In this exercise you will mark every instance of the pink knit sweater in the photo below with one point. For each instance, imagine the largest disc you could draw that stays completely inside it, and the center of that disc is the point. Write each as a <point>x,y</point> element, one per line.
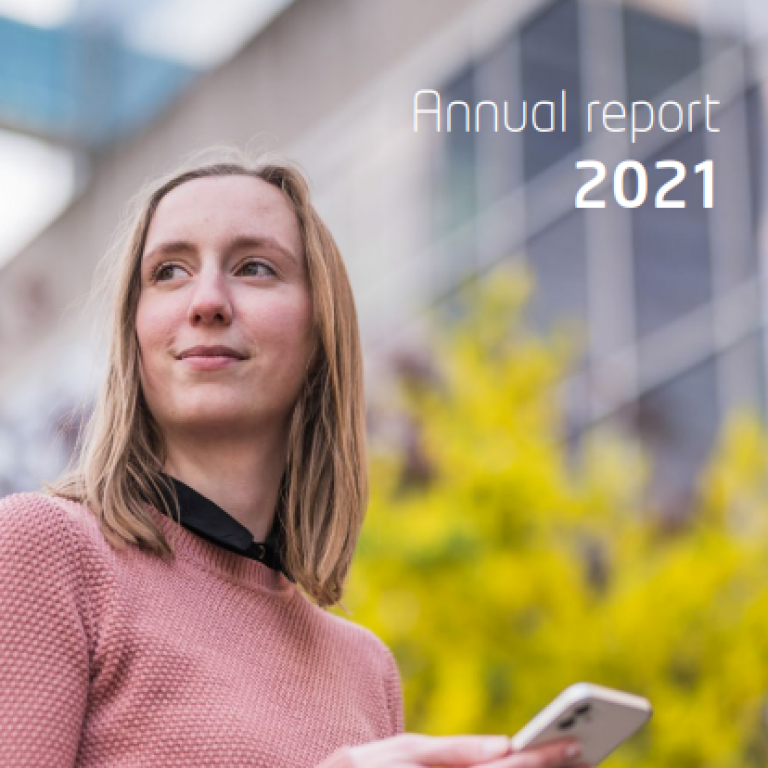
<point>116,658</point>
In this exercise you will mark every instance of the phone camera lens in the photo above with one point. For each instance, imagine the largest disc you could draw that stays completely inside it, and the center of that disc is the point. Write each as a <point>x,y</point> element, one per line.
<point>564,725</point>
<point>583,709</point>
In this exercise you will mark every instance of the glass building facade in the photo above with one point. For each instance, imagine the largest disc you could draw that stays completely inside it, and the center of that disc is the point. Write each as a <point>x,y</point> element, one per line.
<point>670,301</point>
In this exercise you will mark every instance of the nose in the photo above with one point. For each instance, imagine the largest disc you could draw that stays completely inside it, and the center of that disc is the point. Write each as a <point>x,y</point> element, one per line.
<point>210,302</point>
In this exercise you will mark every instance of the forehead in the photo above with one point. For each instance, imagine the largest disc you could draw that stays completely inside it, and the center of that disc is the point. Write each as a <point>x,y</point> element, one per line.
<point>213,208</point>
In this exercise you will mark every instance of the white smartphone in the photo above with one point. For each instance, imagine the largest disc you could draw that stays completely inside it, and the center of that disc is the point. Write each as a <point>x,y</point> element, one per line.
<point>598,718</point>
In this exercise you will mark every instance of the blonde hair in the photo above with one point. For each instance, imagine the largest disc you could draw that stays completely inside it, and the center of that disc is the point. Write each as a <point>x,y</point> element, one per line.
<point>324,488</point>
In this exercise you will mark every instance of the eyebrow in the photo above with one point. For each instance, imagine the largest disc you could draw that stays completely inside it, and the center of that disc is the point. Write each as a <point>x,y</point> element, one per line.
<point>239,243</point>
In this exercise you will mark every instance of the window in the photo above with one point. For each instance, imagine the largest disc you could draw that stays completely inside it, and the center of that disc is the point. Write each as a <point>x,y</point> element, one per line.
<point>659,53</point>
<point>671,249</point>
<point>558,261</point>
<point>457,202</point>
<point>549,47</point>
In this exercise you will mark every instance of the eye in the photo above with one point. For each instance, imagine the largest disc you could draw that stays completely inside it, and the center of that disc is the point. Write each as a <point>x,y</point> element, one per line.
<point>161,269</point>
<point>258,269</point>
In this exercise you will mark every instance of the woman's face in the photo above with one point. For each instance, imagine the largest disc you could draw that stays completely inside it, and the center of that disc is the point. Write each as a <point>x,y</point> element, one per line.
<point>223,265</point>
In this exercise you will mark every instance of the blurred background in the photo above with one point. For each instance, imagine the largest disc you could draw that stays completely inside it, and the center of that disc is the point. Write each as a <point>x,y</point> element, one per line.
<point>664,310</point>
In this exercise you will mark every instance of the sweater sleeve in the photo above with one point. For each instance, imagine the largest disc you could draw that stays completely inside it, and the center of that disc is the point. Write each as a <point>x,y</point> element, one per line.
<point>44,647</point>
<point>395,695</point>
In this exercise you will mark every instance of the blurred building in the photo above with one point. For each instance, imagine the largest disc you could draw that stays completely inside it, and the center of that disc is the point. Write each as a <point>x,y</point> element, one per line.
<point>670,302</point>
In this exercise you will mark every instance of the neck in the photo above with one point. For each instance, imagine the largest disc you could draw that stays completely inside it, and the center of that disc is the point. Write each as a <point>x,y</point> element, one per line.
<point>240,475</point>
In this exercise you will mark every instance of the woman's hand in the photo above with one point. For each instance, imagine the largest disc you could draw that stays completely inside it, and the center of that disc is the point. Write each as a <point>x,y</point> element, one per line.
<point>410,750</point>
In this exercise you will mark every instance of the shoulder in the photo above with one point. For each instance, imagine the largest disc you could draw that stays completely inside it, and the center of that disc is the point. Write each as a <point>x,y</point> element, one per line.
<point>361,640</point>
<point>358,632</point>
<point>375,660</point>
<point>35,523</point>
<point>55,568</point>
<point>42,513</point>
<point>52,551</point>
<point>365,659</point>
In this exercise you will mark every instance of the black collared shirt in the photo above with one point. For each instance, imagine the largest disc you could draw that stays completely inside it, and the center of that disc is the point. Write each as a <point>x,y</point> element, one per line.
<point>204,518</point>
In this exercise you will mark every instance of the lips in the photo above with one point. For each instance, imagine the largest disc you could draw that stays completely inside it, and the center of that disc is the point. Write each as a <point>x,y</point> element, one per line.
<point>213,351</point>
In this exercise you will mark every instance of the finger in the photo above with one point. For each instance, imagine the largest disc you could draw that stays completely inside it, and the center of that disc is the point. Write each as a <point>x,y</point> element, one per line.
<point>554,755</point>
<point>452,750</point>
<point>513,761</point>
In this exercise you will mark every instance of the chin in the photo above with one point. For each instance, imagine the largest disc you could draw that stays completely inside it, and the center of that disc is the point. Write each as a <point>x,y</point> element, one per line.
<point>214,417</point>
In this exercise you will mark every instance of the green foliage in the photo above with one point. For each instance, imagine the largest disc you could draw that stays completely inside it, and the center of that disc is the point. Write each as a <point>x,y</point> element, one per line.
<point>507,571</point>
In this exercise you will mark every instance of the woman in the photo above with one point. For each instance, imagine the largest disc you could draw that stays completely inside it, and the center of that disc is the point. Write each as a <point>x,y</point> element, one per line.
<point>233,405</point>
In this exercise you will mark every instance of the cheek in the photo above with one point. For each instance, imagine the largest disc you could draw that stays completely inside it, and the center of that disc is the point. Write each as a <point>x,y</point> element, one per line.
<point>285,326</point>
<point>153,328</point>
